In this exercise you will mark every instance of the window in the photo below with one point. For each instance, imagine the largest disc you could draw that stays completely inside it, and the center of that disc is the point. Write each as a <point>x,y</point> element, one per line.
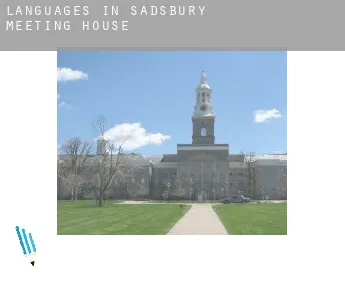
<point>203,100</point>
<point>203,131</point>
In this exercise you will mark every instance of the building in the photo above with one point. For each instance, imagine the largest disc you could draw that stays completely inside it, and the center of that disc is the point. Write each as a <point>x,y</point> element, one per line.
<point>202,170</point>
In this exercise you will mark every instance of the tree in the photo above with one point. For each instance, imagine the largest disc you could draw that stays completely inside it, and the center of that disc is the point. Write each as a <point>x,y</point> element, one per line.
<point>71,165</point>
<point>213,184</point>
<point>100,124</point>
<point>190,186</point>
<point>249,160</point>
<point>59,180</point>
<point>180,191</point>
<point>110,164</point>
<point>283,182</point>
<point>107,166</point>
<point>124,178</point>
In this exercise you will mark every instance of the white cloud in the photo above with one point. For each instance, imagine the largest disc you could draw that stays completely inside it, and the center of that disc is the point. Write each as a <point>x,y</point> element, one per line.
<point>64,105</point>
<point>67,74</point>
<point>261,116</point>
<point>133,136</point>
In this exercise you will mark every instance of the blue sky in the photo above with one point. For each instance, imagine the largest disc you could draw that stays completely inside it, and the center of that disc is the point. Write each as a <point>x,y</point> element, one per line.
<point>152,94</point>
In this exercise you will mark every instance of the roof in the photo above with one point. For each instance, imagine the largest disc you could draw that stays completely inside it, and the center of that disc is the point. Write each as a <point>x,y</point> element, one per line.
<point>137,159</point>
<point>282,157</point>
<point>204,86</point>
<point>169,158</point>
<point>264,162</point>
<point>155,159</point>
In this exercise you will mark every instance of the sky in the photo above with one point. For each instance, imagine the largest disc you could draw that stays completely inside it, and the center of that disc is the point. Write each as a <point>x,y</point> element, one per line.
<point>149,97</point>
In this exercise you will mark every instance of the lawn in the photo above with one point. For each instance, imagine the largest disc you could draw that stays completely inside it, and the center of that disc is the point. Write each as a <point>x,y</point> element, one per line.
<point>254,219</point>
<point>84,218</point>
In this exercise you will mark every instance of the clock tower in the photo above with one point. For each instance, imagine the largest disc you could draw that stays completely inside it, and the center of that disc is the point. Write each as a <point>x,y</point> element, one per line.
<point>203,117</point>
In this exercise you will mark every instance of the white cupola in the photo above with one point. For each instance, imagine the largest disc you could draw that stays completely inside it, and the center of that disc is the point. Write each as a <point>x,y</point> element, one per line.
<point>203,104</point>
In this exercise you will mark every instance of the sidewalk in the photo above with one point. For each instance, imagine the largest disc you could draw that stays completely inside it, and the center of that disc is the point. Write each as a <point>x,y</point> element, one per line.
<point>199,220</point>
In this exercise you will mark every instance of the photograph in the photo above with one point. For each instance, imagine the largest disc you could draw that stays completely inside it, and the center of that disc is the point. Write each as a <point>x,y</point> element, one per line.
<point>141,120</point>
<point>171,142</point>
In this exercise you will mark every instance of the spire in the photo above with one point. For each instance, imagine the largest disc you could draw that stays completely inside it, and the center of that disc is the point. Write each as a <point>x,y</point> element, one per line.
<point>203,105</point>
<point>203,79</point>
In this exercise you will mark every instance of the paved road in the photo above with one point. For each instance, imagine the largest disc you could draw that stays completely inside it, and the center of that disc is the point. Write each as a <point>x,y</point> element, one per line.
<point>199,220</point>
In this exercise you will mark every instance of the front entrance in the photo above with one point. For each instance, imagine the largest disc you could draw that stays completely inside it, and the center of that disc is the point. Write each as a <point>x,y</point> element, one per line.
<point>200,197</point>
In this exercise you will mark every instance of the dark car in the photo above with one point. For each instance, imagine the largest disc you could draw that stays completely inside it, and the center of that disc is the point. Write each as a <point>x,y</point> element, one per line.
<point>236,199</point>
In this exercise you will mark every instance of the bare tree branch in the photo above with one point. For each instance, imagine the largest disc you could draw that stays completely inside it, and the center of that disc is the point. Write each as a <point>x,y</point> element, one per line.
<point>111,164</point>
<point>71,164</point>
<point>249,160</point>
<point>100,124</point>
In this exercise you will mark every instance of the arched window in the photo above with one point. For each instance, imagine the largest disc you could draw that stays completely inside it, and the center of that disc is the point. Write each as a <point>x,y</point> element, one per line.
<point>203,130</point>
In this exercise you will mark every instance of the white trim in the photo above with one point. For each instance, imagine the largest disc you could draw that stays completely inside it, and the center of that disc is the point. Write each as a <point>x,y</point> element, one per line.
<point>201,148</point>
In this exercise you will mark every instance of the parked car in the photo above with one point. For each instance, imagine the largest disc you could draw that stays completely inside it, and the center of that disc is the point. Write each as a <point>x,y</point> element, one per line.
<point>236,199</point>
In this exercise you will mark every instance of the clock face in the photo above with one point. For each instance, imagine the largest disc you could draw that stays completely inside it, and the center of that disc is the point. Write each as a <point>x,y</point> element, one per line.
<point>203,108</point>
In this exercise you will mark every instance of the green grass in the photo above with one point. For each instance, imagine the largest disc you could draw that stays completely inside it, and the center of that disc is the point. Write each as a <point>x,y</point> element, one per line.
<point>254,219</point>
<point>84,218</point>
